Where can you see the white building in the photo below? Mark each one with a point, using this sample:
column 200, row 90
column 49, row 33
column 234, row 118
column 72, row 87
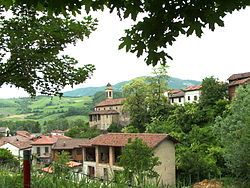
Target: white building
column 188, row 95
column 17, row 147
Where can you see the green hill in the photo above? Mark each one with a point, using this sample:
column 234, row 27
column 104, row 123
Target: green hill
column 174, row 83
column 44, row 108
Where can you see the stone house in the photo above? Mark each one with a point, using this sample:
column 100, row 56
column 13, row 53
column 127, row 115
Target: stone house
column 100, row 154
column 108, row 111
column 72, row 146
column 42, row 148
column 237, row 79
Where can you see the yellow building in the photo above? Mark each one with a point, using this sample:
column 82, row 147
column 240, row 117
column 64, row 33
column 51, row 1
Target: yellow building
column 101, row 154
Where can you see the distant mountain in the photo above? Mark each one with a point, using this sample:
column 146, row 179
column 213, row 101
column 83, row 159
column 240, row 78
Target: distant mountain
column 174, row 83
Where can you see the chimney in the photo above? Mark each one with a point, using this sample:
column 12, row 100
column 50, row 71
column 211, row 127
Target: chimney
column 64, row 144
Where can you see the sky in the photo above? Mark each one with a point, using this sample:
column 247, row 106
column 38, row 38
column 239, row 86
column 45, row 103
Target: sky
column 220, row 53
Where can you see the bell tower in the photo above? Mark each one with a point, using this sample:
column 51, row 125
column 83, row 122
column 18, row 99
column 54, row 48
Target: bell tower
column 109, row 91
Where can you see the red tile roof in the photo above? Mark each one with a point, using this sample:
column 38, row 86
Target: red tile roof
column 239, row 76
column 48, row 140
column 175, row 91
column 238, row 82
column 193, row 88
column 25, row 134
column 121, row 139
column 73, row 164
column 105, row 112
column 48, row 170
column 110, row 102
column 11, row 139
column 66, row 143
column 177, row 94
column 22, row 144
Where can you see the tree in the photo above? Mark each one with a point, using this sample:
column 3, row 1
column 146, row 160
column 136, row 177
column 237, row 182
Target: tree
column 234, row 131
column 31, row 43
column 212, row 91
column 114, row 128
column 138, row 165
column 156, row 100
column 6, row 156
column 136, row 92
column 171, row 18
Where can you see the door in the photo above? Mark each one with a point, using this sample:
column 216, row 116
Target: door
column 91, row 171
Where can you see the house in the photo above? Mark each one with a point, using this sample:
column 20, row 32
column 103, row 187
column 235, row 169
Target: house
column 176, row 97
column 181, row 96
column 100, row 154
column 58, row 132
column 26, row 134
column 17, row 147
column 72, row 146
column 42, row 147
column 5, row 131
column 237, row 79
column 192, row 93
column 108, row 111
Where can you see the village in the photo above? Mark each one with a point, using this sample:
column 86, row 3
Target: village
column 99, row 156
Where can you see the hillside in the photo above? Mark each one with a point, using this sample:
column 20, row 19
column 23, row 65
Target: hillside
column 44, row 108
column 174, row 83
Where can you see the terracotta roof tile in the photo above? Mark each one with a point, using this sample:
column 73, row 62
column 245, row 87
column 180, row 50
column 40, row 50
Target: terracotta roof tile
column 121, row 139
column 22, row 144
column 238, row 82
column 110, row 102
column 175, row 91
column 104, row 112
column 73, row 164
column 177, row 94
column 239, row 76
column 65, row 143
column 193, row 88
column 25, row 134
column 48, row 140
column 48, row 170
column 11, row 139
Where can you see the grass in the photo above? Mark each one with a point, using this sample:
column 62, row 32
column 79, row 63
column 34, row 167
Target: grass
column 42, row 108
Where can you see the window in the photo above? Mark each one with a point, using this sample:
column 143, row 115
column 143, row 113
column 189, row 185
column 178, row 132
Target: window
column 110, row 108
column 189, row 98
column 46, row 149
column 110, row 94
column 38, row 151
column 107, row 116
column 180, row 99
column 172, row 100
column 195, row 98
column 103, row 108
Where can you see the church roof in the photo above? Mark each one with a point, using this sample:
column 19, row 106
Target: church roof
column 109, row 85
column 110, row 102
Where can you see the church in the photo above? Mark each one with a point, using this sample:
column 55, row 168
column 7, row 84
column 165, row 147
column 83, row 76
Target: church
column 108, row 111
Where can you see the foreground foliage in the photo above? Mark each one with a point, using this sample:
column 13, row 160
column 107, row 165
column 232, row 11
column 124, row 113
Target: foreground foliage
column 31, row 43
column 171, row 18
column 234, row 132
